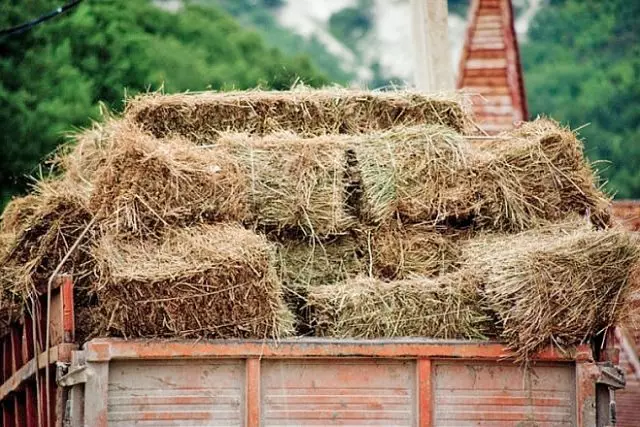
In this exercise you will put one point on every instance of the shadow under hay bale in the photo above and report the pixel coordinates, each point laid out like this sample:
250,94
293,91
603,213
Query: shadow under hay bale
207,281
556,287
433,175
202,116
447,307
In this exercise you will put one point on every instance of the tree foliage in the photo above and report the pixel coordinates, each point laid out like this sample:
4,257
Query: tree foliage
582,63
52,77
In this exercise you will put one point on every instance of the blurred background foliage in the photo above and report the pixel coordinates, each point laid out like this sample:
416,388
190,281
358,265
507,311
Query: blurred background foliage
581,61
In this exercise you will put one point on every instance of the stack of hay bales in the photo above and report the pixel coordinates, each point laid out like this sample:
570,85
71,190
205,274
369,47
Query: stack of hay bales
335,213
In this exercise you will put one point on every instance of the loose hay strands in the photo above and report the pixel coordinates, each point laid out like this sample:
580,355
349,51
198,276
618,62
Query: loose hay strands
146,183
17,213
202,116
60,215
556,288
367,308
296,183
88,150
207,281
400,252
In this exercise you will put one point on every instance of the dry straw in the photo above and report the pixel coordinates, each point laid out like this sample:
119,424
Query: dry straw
17,213
418,174
537,174
295,183
557,287
279,183
400,252
207,281
59,216
146,183
446,308
202,116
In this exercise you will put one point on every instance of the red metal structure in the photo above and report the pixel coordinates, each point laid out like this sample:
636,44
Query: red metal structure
490,67
25,398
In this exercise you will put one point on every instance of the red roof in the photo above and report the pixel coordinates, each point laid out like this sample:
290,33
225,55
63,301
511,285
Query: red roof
490,66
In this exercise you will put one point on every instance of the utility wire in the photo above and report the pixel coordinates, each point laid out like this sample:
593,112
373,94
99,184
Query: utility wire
19,29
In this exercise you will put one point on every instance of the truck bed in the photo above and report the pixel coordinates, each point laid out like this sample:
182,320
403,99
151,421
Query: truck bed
408,382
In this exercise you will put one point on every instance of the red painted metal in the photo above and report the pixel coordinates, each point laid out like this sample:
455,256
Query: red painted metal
490,67
252,397
425,398
20,365
103,350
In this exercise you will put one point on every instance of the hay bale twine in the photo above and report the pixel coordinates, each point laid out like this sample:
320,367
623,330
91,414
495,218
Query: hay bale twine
447,307
207,281
202,116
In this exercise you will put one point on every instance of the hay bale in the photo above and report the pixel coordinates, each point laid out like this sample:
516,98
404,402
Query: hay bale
400,252
419,174
202,116
421,307
555,288
207,281
279,183
59,218
296,184
537,175
146,183
305,265
88,150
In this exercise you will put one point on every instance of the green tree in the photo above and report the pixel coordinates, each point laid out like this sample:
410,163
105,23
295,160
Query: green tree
52,78
582,63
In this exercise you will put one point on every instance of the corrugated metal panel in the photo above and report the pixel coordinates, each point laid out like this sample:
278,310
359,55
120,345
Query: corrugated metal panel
503,394
176,393
339,392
